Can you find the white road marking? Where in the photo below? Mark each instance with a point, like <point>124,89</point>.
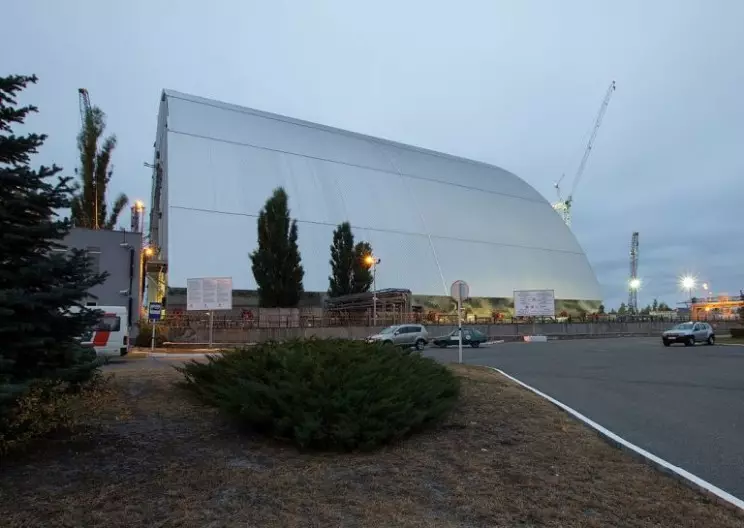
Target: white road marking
<point>689,478</point>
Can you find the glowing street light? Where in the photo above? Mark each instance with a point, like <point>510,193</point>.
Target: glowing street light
<point>634,283</point>
<point>372,262</point>
<point>688,283</point>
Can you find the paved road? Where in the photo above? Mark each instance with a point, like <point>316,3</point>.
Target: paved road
<point>684,404</point>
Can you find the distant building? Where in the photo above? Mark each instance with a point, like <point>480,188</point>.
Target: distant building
<point>119,253</point>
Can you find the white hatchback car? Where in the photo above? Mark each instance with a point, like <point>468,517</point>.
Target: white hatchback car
<point>689,334</point>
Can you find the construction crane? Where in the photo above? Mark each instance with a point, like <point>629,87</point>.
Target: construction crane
<point>84,104</point>
<point>563,207</point>
<point>85,112</point>
<point>633,282</point>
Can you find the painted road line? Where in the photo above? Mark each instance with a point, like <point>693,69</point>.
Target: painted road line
<point>162,355</point>
<point>663,465</point>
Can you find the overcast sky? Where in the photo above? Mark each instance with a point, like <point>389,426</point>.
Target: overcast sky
<point>514,83</point>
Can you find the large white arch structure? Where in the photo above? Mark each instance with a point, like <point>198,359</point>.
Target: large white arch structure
<point>432,218</point>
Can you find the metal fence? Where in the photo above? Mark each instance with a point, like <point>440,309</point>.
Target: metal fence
<point>335,321</point>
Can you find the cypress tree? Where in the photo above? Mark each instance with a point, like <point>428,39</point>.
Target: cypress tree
<point>41,283</point>
<point>276,262</point>
<point>342,261</point>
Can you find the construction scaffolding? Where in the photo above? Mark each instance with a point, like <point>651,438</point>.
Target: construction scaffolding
<point>392,305</point>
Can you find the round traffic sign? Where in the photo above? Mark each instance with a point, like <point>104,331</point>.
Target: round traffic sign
<point>460,290</point>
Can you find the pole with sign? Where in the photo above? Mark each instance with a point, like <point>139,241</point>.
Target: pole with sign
<point>154,312</point>
<point>459,291</point>
<point>211,328</point>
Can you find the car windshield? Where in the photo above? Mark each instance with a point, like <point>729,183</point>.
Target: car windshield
<point>683,326</point>
<point>388,330</point>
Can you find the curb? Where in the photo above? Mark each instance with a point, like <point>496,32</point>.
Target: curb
<point>713,492</point>
<point>730,344</point>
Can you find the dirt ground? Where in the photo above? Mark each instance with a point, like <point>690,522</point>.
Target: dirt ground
<point>504,458</point>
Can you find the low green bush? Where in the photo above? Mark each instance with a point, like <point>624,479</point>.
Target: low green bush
<point>737,332</point>
<point>144,337</point>
<point>326,394</point>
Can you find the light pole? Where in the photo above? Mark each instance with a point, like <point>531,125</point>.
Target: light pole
<point>372,262</point>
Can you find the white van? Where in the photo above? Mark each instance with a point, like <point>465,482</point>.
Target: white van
<point>110,337</point>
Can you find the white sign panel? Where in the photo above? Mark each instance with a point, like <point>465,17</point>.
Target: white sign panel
<point>534,303</point>
<point>209,293</point>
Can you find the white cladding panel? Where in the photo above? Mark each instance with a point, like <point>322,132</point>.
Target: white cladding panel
<point>431,218</point>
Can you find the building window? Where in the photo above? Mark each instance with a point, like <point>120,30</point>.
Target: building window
<point>94,258</point>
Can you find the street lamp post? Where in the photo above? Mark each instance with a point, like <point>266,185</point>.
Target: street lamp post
<point>372,262</point>
<point>708,291</point>
<point>688,283</point>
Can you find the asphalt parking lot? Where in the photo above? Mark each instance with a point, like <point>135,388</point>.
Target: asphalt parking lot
<point>683,404</point>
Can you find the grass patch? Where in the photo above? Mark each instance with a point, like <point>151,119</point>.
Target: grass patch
<point>503,457</point>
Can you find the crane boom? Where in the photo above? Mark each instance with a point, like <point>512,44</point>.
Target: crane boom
<point>563,207</point>
<point>590,144</point>
<point>84,100</point>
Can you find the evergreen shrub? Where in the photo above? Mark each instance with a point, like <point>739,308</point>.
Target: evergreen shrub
<point>326,393</point>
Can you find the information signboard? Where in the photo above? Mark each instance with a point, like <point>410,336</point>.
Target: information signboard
<point>534,303</point>
<point>212,293</point>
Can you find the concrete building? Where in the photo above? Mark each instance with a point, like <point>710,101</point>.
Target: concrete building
<point>430,217</point>
<point>119,253</point>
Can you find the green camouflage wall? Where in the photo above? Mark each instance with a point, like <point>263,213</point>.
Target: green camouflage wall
<point>478,306</point>
<point>485,306</point>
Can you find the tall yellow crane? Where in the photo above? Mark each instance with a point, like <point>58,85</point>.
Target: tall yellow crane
<point>563,207</point>
<point>85,112</point>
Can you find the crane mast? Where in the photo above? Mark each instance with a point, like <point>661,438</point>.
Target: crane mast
<point>563,207</point>
<point>85,113</point>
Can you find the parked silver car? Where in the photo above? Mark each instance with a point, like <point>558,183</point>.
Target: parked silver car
<point>689,334</point>
<point>407,335</point>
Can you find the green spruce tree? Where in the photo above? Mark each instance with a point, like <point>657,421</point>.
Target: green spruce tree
<point>276,262</point>
<point>362,276</point>
<point>41,290</point>
<point>342,261</point>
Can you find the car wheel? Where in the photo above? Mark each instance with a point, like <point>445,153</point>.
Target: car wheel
<point>690,341</point>
<point>388,342</point>
<point>475,344</point>
<point>711,339</point>
<point>420,344</point>
<point>666,343</point>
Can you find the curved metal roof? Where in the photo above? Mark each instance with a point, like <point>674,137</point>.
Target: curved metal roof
<point>430,217</point>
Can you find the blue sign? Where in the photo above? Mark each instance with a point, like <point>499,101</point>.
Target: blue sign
<point>154,310</point>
